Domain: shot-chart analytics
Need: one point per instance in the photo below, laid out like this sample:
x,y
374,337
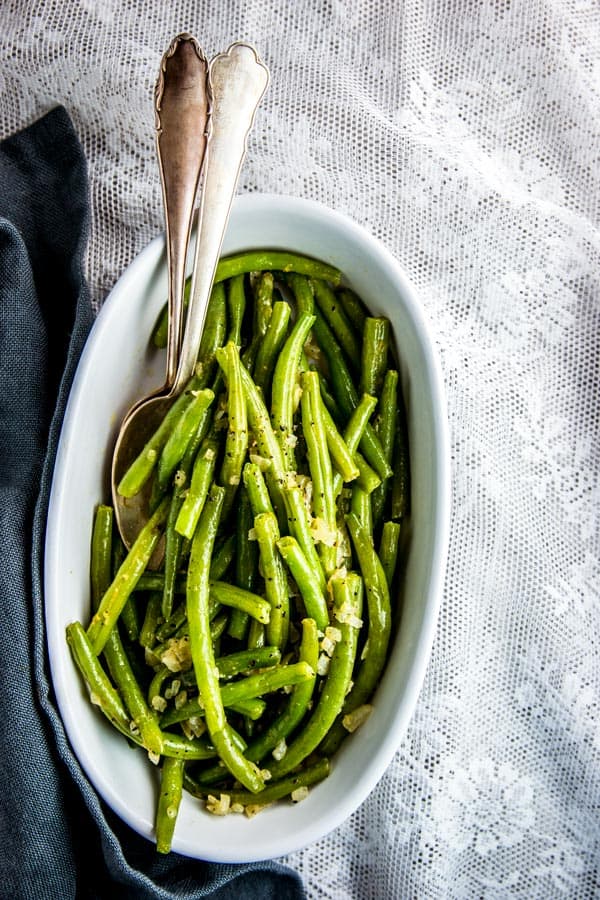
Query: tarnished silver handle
x,y
181,107
238,80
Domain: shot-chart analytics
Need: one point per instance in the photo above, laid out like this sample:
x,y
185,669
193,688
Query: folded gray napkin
x,y
57,840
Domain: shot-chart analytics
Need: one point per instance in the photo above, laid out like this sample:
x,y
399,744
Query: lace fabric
x,y
465,136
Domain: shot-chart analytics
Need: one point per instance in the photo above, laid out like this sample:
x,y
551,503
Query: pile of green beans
x,y
279,483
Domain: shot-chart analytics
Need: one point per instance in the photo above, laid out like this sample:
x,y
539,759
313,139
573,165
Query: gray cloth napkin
x,y
57,840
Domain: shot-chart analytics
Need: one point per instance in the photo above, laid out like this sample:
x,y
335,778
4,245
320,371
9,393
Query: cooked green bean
x,y
276,586
276,790
132,567
319,463
236,440
195,498
388,549
181,435
143,719
236,306
169,799
386,429
202,647
347,598
245,688
151,621
284,388
298,702
230,595
247,660
308,584
376,336
101,553
346,394
270,345
246,562
401,480
107,699
361,507
354,308
334,314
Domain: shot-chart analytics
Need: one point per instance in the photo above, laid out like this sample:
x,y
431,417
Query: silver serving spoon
x,y
237,82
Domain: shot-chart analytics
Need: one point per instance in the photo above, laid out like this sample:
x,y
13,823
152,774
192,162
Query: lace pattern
x,y
465,136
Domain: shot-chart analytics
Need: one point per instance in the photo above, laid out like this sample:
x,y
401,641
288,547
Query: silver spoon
x,y
237,82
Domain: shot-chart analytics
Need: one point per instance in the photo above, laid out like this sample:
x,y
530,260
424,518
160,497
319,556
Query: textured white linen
x,y
465,135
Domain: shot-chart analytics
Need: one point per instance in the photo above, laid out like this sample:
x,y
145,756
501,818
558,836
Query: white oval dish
x,y
116,368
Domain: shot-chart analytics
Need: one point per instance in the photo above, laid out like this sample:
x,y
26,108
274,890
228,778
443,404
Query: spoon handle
x,y
238,81
182,106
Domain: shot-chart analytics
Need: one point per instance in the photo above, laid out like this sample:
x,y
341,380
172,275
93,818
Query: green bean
x,y
275,790
353,433
155,581
303,293
378,601
214,334
194,500
169,799
304,576
298,702
236,441
264,436
245,688
262,289
172,558
258,495
101,553
270,346
246,562
142,718
361,507
247,660
107,699
143,465
347,598
263,303
236,307
129,613
354,308
202,646
368,479
222,558
319,463
276,586
376,336
388,549
230,595
132,567
347,395
299,527
102,692
386,429
152,619
183,432
335,316
266,260
341,455
401,482
256,635
284,387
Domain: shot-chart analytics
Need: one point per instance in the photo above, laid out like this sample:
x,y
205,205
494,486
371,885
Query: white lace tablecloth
x,y
466,136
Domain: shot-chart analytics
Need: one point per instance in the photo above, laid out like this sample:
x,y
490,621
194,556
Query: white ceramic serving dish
x,y
117,367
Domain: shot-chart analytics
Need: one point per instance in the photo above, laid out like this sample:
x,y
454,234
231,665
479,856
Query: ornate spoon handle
x,y
238,81
182,106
